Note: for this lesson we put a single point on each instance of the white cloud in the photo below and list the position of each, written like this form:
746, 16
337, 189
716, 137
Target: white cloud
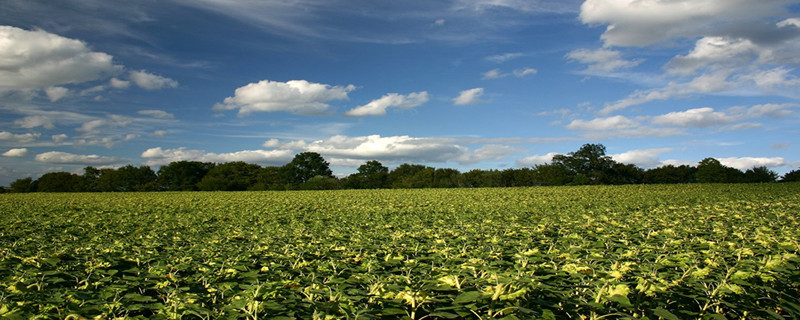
536, 160
59, 138
58, 157
159, 157
713, 50
33, 60
149, 81
119, 84
601, 60
500, 58
744, 163
791, 22
707, 83
16, 153
160, 114
487, 152
392, 100
645, 158
35, 121
707, 117
646, 22
351, 151
271, 143
494, 74
56, 93
610, 123
18, 138
296, 96
519, 73
700, 117
471, 96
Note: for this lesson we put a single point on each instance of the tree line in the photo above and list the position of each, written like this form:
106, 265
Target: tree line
309, 171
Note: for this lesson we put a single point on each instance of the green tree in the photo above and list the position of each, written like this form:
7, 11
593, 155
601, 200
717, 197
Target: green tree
590, 162
403, 175
370, 175
552, 174
791, 176
305, 166
625, 174
760, 174
230, 176
670, 174
89, 179
523, 177
183, 175
131, 178
320, 183
423, 178
23, 185
58, 182
447, 178
478, 178
710, 170
270, 178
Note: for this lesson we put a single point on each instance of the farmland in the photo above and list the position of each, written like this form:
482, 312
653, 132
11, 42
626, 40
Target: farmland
714, 251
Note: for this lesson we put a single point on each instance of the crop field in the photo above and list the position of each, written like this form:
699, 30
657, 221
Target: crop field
607, 252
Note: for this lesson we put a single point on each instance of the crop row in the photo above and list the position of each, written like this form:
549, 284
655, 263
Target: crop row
671, 252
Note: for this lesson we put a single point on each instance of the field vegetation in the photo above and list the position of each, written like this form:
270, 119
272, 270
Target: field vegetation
699, 251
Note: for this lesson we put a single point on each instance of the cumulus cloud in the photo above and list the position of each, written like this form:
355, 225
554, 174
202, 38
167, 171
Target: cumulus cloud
744, 163
519, 73
536, 160
700, 117
56, 93
707, 117
16, 153
350, 151
642, 23
645, 158
494, 74
500, 58
149, 81
159, 157
119, 84
160, 114
707, 83
471, 96
296, 96
615, 122
601, 60
59, 138
33, 60
35, 121
791, 22
392, 100
713, 50
726, 58
18, 138
57, 157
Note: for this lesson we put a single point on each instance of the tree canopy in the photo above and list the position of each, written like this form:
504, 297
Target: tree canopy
310, 171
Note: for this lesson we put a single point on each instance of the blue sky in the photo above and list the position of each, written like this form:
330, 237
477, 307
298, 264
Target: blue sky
465, 84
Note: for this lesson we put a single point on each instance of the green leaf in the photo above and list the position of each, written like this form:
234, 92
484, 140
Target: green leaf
392, 312
622, 300
467, 297
665, 314
442, 314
